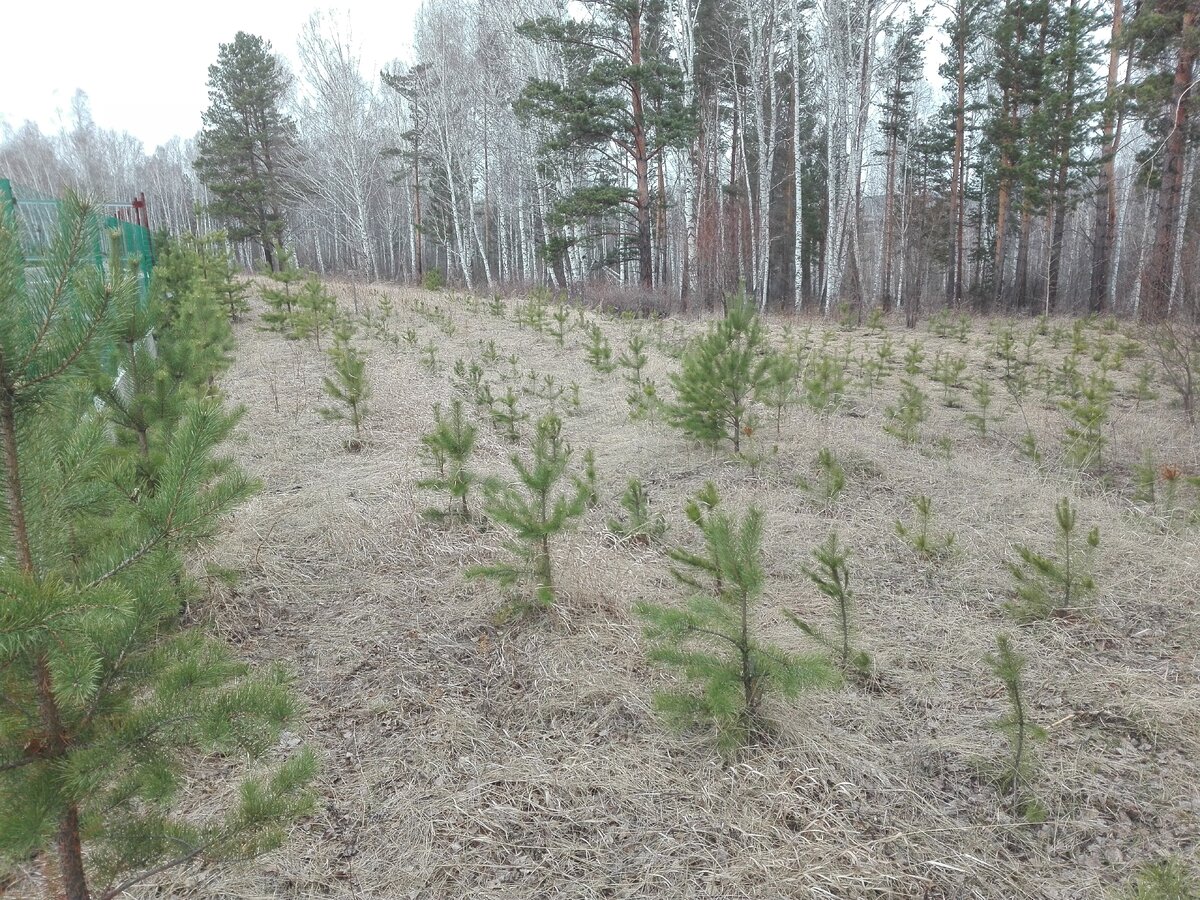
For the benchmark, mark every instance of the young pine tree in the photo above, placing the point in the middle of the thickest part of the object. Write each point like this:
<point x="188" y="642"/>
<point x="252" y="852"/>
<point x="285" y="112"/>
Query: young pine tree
<point x="449" y="446"/>
<point x="315" y="312"/>
<point x="1047" y="585"/>
<point x="282" y="298"/>
<point x="1008" y="665"/>
<point x="639" y="524"/>
<point x="547" y="503"/>
<point x="107" y="698"/>
<point x="831" y="575"/>
<point x="721" y="375"/>
<point x="714" y="641"/>
<point x="349" y="387"/>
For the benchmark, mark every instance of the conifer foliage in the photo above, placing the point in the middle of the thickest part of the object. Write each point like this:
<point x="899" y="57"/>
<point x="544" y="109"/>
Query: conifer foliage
<point x="1048" y="585"/>
<point x="348" y="387"/>
<point x="714" y="641"/>
<point x="106" y="697"/>
<point x="831" y="575"/>
<point x="546" y="504"/>
<point x="449" y="446"/>
<point x="720" y="377"/>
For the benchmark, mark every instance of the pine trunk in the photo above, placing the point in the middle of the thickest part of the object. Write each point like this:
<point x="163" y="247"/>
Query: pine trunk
<point x="1159" y="270"/>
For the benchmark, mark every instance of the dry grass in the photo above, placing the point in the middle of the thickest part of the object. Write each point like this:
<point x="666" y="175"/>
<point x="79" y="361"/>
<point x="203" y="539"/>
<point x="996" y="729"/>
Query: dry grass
<point x="463" y="758"/>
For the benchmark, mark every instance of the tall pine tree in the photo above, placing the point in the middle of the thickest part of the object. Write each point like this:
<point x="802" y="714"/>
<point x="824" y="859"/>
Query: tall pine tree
<point x="247" y="141"/>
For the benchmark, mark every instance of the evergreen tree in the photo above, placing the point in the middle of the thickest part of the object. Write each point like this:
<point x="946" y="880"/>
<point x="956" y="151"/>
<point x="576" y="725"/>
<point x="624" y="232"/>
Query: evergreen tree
<point x="721" y="375"/>
<point x="449" y="446"/>
<point x="1045" y="585"/>
<point x="283" y="299"/>
<point x="349" y="386"/>
<point x="622" y="90"/>
<point x="1008" y="665"/>
<point x="714" y="641"/>
<point x="107" y="697"/>
<point x="832" y="578"/>
<point x="315" y="312"/>
<point x="542" y="509"/>
<point x="639" y="524"/>
<point x="247" y="141"/>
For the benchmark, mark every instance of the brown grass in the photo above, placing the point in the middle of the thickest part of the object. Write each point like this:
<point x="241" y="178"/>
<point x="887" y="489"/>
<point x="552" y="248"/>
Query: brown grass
<point x="463" y="758"/>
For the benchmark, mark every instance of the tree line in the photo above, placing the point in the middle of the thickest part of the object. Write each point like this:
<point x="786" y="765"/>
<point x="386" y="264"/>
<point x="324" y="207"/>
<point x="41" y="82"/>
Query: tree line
<point x="801" y="147"/>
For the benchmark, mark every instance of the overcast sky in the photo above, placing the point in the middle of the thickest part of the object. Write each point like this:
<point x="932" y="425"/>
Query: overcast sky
<point x="144" y="64"/>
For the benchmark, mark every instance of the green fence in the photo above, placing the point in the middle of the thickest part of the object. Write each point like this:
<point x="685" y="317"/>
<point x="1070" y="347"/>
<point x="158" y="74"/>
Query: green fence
<point x="120" y="228"/>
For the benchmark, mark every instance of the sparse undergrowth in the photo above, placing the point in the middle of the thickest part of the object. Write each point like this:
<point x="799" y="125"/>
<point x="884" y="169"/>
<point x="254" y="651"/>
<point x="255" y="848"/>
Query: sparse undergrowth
<point x="455" y="719"/>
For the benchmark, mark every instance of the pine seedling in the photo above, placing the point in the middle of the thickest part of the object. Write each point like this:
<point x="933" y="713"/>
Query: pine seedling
<point x="546" y="504"/>
<point x="920" y="534"/>
<point x="562" y="323"/>
<point x="349" y="387"/>
<point x="282" y="299"/>
<point x="639" y="524"/>
<point x="597" y="350"/>
<point x="1164" y="879"/>
<point x="409" y="336"/>
<point x="948" y="370"/>
<point x="1088" y="411"/>
<point x="489" y="353"/>
<point x="1145" y="479"/>
<point x="1008" y="665"/>
<point x="825" y="382"/>
<point x="721" y="374"/>
<point x="981" y="393"/>
<point x="1049" y="585"/>
<point x="576" y="404"/>
<point x="449" y="446"/>
<point x="506" y="416"/>
<point x="496" y="306"/>
<point x="231" y="289"/>
<point x="713" y="641"/>
<point x="1028" y="448"/>
<point x="779" y="387"/>
<point x="831" y="575"/>
<point x="108" y="700"/>
<point x="634" y="359"/>
<point x="831" y="480"/>
<point x="905" y="418"/>
<point x="588" y="484"/>
<point x="913" y="359"/>
<point x="429" y="357"/>
<point x="315" y="312"/>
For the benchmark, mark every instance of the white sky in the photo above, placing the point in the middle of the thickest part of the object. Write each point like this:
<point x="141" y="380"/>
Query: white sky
<point x="144" y="64"/>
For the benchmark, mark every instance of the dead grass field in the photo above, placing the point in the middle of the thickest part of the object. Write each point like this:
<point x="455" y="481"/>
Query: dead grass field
<point x="466" y="758"/>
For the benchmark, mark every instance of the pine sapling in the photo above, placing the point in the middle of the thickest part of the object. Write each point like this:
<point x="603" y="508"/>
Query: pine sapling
<point x="714" y="640"/>
<point x="562" y="323"/>
<point x="825" y="382"/>
<point x="639" y="524"/>
<point x="315" y="311"/>
<point x="1088" y="411"/>
<point x="905" y="418"/>
<point x="1045" y="586"/>
<point x="597" y="350"/>
<point x="282" y="299"/>
<point x="1008" y="665"/>
<point x="721" y="375"/>
<point x="779" y="386"/>
<point x="831" y="479"/>
<point x="349" y="387"/>
<point x="544" y="505"/>
<point x="449" y="446"/>
<point x="506" y="417"/>
<point x="831" y="575"/>
<point x="981" y="393"/>
<point x="920" y="535"/>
